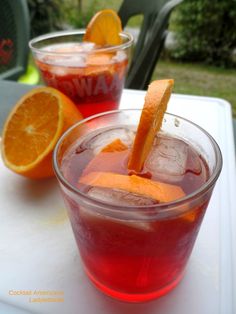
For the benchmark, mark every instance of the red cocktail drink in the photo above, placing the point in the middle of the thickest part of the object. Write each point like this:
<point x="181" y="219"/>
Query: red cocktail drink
<point x="92" y="76"/>
<point x="134" y="247"/>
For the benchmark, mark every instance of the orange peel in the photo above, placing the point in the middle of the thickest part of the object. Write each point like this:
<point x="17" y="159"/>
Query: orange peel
<point x="156" y="100"/>
<point x="161" y="192"/>
<point x="104" y="29"/>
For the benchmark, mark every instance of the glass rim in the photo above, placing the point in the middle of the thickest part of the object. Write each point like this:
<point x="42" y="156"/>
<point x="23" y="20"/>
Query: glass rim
<point x="166" y="207"/>
<point x="59" y="34"/>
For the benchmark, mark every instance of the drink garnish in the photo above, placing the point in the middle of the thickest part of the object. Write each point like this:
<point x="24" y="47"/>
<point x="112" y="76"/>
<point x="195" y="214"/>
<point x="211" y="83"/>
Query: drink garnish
<point x="115" y="146"/>
<point x="108" y="158"/>
<point x="161" y="192"/>
<point x="32" y="129"/>
<point x="106" y="161"/>
<point x="156" y="100"/>
<point x="104" y="29"/>
<point x="155" y="105"/>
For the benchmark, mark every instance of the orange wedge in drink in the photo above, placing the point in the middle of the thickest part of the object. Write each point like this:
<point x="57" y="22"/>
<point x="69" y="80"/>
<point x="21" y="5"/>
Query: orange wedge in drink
<point x="115" y="146"/>
<point x="107" y="161"/>
<point x="161" y="192"/>
<point x="33" y="128"/>
<point x="156" y="100"/>
<point x="109" y="158"/>
<point x="104" y="29"/>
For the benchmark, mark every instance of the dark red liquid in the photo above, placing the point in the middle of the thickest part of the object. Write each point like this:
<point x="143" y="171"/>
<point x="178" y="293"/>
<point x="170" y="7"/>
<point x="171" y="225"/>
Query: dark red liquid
<point x="95" y="88"/>
<point x="137" y="259"/>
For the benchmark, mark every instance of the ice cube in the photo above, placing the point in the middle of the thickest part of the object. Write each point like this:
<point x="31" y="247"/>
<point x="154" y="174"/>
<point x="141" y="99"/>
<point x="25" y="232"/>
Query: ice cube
<point x="68" y="54"/>
<point x="122" y="198"/>
<point x="119" y="56"/>
<point x="58" y="70"/>
<point x="87" y="46"/>
<point x="168" y="159"/>
<point x="98" y="141"/>
<point x="73" y="61"/>
<point x="133" y="219"/>
<point x="70" y="47"/>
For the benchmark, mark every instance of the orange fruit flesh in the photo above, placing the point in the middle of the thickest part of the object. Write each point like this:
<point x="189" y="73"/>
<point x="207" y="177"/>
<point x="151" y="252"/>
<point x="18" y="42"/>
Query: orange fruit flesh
<point x="36" y="127"/>
<point x="106" y="161"/>
<point x="33" y="128"/>
<point x="115" y="146"/>
<point x="155" y="105"/>
<point x="104" y="29"/>
<point x="109" y="158"/>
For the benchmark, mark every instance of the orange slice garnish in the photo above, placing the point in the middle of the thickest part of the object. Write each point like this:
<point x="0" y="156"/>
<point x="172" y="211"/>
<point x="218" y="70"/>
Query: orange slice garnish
<point x="32" y="129"/>
<point x="109" y="159"/>
<point x="115" y="146"/>
<point x="161" y="192"/>
<point x="104" y="29"/>
<point x="155" y="105"/>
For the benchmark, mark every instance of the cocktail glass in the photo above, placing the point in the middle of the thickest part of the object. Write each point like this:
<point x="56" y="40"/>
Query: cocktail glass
<point x="136" y="252"/>
<point x="92" y="76"/>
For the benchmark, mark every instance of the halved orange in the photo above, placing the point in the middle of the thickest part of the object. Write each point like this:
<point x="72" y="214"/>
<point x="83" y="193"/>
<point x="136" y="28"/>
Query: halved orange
<point x="33" y="128"/>
<point x="104" y="28"/>
<point x="155" y="105"/>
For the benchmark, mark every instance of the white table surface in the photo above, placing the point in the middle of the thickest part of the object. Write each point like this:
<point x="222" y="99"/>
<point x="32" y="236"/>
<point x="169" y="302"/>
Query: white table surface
<point x="38" y="251"/>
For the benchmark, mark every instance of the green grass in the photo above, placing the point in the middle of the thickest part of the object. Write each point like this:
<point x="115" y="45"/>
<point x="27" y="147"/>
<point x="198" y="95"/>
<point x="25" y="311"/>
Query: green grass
<point x="197" y="79"/>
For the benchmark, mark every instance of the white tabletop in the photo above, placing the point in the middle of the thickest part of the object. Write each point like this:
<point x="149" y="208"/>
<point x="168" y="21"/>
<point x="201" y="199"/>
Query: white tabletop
<point x="38" y="251"/>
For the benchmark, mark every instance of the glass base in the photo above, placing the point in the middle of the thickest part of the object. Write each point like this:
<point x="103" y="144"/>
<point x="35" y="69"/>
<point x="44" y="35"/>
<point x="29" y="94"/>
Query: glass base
<point x="135" y="298"/>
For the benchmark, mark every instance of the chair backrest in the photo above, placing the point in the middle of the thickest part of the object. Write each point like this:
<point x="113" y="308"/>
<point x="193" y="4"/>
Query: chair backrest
<point x="14" y="37"/>
<point x="154" y="29"/>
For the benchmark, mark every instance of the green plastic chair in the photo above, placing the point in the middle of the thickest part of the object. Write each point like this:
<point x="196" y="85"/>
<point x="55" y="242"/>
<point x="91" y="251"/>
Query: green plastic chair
<point x="14" y="38"/>
<point x="153" y="32"/>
